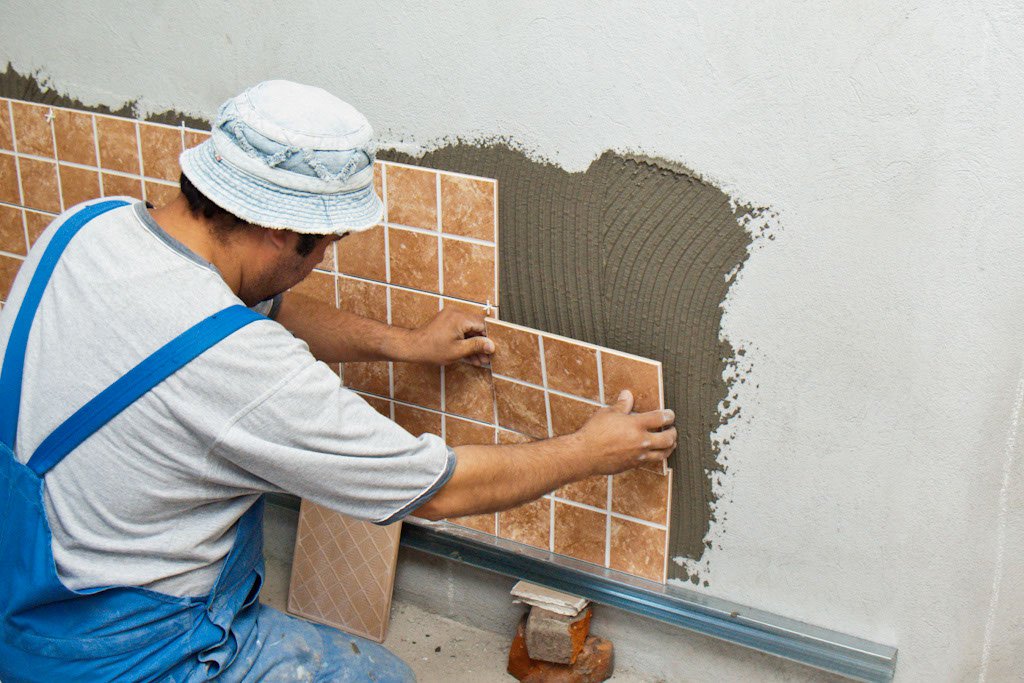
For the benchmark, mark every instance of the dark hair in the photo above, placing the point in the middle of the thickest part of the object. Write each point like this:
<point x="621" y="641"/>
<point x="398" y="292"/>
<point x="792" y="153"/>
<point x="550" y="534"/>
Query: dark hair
<point x="224" y="222"/>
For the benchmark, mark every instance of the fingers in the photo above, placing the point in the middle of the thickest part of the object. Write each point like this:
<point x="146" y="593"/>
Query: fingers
<point x="624" y="403"/>
<point x="471" y="323"/>
<point x="476" y="346"/>
<point x="656" y="419"/>
<point x="662" y="441"/>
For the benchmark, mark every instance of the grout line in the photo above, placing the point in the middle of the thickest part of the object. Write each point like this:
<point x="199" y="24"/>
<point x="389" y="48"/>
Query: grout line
<point x="600" y="379"/>
<point x="20" y="257"/>
<point x="608" y="526"/>
<point x="50" y="116"/>
<point x="437" y="233"/>
<point x="96" y="151"/>
<point x="387" y="232"/>
<point x="17" y="156"/>
<point x="142" y="167"/>
<point x="551" y="522"/>
<point x="497" y="293"/>
<point x="440" y="242"/>
<point x="544" y="377"/>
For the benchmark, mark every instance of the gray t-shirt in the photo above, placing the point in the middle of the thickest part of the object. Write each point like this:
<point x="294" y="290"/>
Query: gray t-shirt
<point x="152" y="498"/>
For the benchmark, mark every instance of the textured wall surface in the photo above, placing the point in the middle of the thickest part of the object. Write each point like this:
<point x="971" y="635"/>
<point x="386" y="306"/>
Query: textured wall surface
<point x="873" y="478"/>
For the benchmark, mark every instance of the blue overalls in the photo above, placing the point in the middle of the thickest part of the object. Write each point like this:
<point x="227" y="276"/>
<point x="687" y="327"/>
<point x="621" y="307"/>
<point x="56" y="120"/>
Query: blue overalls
<point x="51" y="633"/>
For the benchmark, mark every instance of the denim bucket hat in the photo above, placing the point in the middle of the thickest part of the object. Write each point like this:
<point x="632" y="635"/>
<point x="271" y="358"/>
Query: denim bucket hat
<point x="291" y="156"/>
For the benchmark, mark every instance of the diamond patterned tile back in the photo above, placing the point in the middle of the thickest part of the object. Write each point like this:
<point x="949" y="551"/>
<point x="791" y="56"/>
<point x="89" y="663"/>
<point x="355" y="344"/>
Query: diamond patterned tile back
<point x="343" y="571"/>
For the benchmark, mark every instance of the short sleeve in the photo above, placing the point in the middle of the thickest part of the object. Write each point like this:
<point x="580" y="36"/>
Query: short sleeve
<point x="269" y="307"/>
<point x="316" y="439"/>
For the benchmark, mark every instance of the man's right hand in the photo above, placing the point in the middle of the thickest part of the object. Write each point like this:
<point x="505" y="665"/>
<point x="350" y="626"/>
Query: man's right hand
<point x="616" y="440"/>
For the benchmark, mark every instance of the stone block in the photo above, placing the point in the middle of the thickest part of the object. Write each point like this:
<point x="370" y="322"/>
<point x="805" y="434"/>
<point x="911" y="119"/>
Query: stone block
<point x="595" y="663"/>
<point x="556" y="638"/>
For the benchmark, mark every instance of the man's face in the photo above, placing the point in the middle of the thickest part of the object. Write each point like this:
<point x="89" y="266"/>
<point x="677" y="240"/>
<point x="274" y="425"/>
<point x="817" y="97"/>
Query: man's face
<point x="285" y="269"/>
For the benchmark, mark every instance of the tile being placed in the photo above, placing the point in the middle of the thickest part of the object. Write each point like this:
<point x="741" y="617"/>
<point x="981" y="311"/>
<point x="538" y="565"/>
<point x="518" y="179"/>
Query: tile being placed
<point x="343" y="571"/>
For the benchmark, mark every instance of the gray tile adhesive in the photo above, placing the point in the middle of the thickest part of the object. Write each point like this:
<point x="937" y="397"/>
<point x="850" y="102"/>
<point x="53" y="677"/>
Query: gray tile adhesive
<point x="634" y="253"/>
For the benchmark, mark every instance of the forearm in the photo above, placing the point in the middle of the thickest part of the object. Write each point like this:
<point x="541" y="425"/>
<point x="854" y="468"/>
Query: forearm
<point x="336" y="336"/>
<point x="493" y="478"/>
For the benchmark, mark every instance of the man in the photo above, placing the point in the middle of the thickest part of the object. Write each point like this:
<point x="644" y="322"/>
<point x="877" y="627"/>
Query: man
<point x="156" y="382"/>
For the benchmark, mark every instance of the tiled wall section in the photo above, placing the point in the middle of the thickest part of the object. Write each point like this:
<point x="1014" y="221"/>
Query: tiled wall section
<point x="53" y="158"/>
<point x="436" y="248"/>
<point x="542" y="385"/>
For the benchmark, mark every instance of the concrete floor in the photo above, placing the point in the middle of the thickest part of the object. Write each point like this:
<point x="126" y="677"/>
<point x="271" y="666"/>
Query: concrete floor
<point x="466" y="655"/>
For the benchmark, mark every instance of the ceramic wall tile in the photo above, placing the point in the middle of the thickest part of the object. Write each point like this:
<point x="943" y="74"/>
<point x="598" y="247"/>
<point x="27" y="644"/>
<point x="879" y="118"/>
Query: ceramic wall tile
<point x="121" y="186"/>
<point x="468" y="207"/>
<point x="8" y="270"/>
<point x="12" y="230"/>
<point x="641" y="377"/>
<point x="591" y="491"/>
<point x="78" y="185"/>
<point x="372" y="377"/>
<point x="367" y="299"/>
<point x="161" y="147"/>
<point x="486" y="523"/>
<point x="76" y="142"/>
<point x="413" y="259"/>
<point x="469" y="392"/>
<point x="160" y="194"/>
<point x="459" y="432"/>
<point x="362" y="254"/>
<point x="580" y="533"/>
<point x="412" y="196"/>
<point x="32" y="130"/>
<point x="194" y="138"/>
<point x="469" y="271"/>
<point x="418" y="384"/>
<point x="521" y="408"/>
<point x="638" y="549"/>
<point x="571" y="367"/>
<point x="529" y="524"/>
<point x="412" y="309"/>
<point x="39" y="184"/>
<point x="6" y="132"/>
<point x="641" y="494"/>
<point x="319" y="286"/>
<point x="417" y="421"/>
<point x="381" y="405"/>
<point x="517" y="352"/>
<point x="329" y="261"/>
<point x="9" y="192"/>
<point x="118" y="143"/>
<point x="35" y="223"/>
<point x="569" y="414"/>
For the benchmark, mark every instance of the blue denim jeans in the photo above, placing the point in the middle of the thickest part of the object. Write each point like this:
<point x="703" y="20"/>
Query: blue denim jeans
<point x="285" y="648"/>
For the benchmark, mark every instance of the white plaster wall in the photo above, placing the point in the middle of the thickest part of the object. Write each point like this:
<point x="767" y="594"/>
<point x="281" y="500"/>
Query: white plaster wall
<point x="875" y="480"/>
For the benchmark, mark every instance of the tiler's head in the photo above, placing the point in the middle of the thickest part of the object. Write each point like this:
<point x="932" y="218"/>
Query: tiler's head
<point x="292" y="162"/>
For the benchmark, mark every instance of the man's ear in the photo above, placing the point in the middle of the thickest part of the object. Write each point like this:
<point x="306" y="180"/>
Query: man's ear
<point x="278" y="239"/>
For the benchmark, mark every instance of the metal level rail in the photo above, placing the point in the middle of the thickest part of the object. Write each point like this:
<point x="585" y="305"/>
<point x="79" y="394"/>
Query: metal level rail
<point x="814" y="646"/>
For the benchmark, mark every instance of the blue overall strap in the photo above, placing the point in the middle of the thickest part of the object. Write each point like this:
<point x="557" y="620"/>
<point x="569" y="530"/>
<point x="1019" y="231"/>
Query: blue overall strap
<point x="154" y="369"/>
<point x="14" y="358"/>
